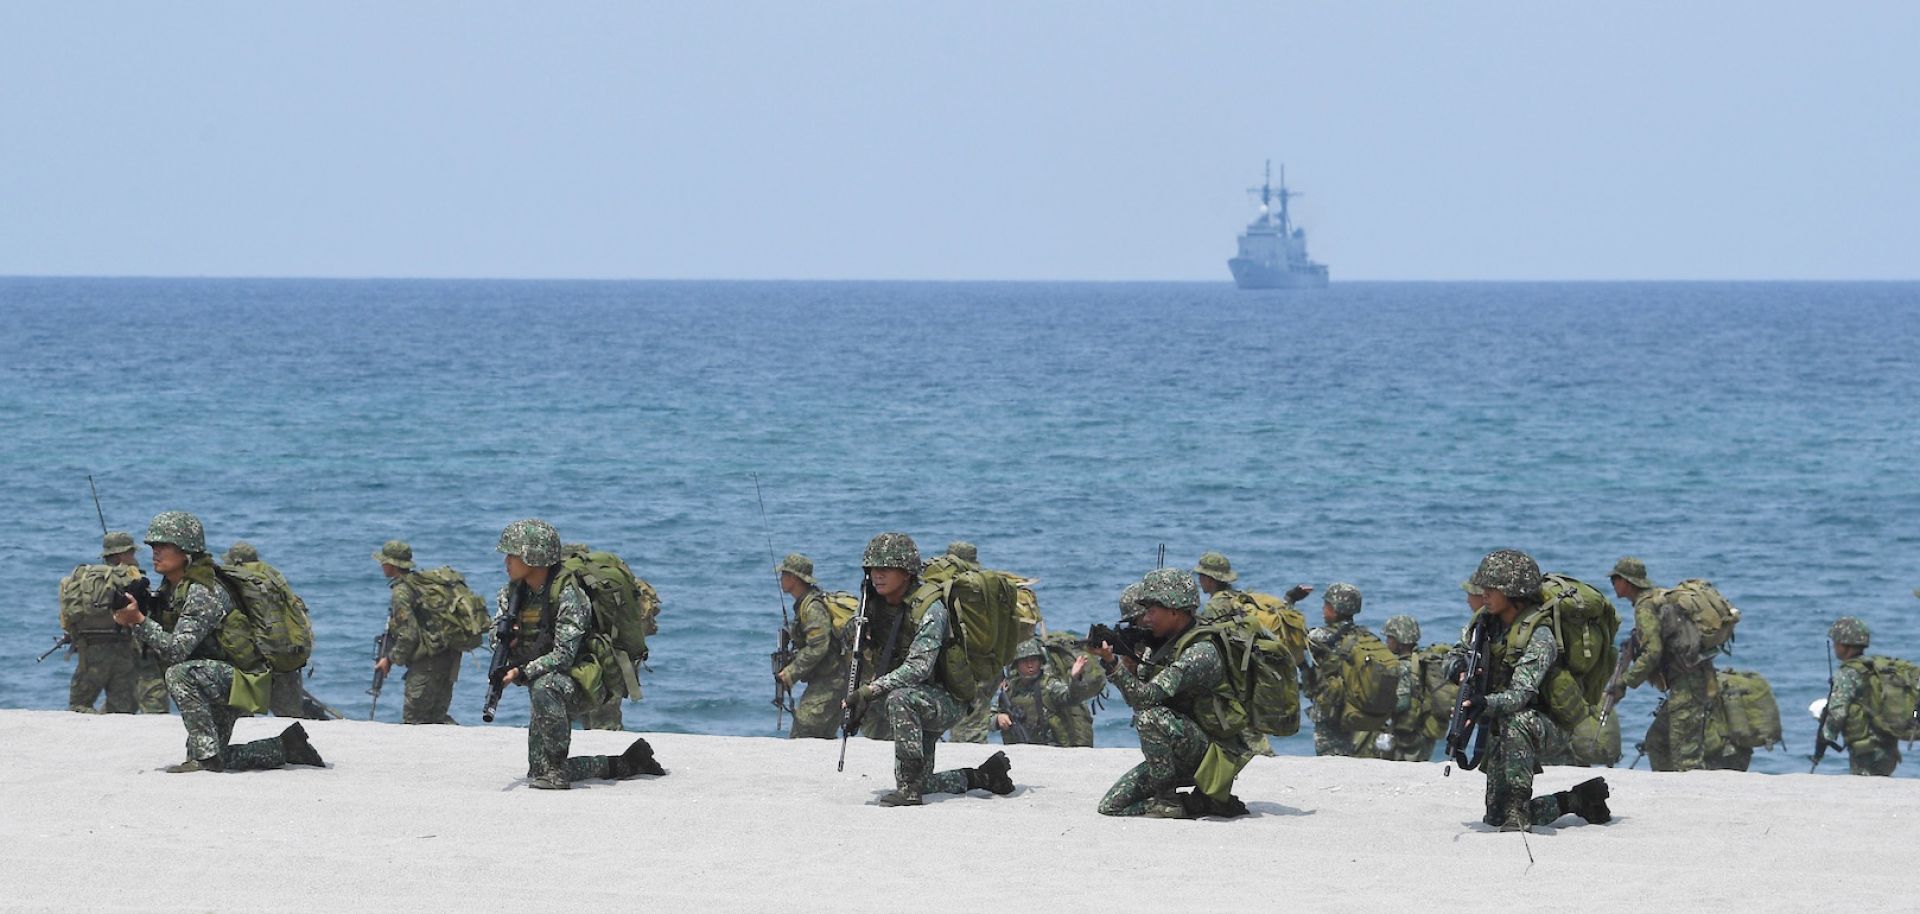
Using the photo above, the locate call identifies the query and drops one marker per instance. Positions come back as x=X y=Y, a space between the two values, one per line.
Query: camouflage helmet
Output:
x=396 y=553
x=534 y=541
x=1216 y=566
x=964 y=551
x=1509 y=571
x=1130 y=608
x=797 y=565
x=115 y=543
x=1633 y=571
x=178 y=528
x=1344 y=600
x=1849 y=630
x=1029 y=648
x=1404 y=629
x=241 y=551
x=892 y=550
x=1171 y=588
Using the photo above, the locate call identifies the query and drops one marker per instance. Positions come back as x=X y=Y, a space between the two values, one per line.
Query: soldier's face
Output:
x=1621 y=588
x=517 y=569
x=1163 y=621
x=1499 y=604
x=1029 y=667
x=1327 y=613
x=168 y=558
x=889 y=583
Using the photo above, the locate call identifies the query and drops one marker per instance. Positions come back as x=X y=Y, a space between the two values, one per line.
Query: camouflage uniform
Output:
x=1520 y=732
x=1869 y=752
x=820 y=664
x=1405 y=738
x=1172 y=742
x=104 y=655
x=199 y=677
x=1039 y=704
x=430 y=674
x=290 y=698
x=918 y=709
x=1677 y=741
x=1220 y=606
x=1330 y=646
x=553 y=629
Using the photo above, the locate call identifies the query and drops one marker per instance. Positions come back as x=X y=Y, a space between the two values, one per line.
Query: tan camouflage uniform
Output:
x=1869 y=752
x=1677 y=741
x=819 y=664
x=430 y=674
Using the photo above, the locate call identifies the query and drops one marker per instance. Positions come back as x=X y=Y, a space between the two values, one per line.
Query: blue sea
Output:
x=1761 y=435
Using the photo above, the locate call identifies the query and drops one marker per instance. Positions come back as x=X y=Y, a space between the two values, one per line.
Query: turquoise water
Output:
x=1760 y=435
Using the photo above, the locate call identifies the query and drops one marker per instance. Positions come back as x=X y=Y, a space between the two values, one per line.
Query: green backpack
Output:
x=841 y=608
x=1893 y=697
x=455 y=618
x=624 y=609
x=1074 y=726
x=1438 y=693
x=276 y=617
x=1744 y=712
x=986 y=623
x=1711 y=618
x=86 y=597
x=1584 y=625
x=1370 y=683
x=1260 y=692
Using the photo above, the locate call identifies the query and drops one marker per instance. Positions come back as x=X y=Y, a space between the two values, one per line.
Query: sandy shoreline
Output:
x=437 y=819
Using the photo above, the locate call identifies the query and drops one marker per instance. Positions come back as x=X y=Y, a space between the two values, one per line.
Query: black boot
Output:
x=636 y=761
x=1590 y=801
x=299 y=751
x=992 y=775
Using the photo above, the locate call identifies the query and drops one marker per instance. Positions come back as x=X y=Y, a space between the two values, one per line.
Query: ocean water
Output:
x=1760 y=435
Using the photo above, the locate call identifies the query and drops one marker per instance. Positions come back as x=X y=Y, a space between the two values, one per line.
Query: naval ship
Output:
x=1273 y=253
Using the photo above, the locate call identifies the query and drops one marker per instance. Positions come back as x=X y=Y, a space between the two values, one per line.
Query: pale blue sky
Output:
x=1610 y=140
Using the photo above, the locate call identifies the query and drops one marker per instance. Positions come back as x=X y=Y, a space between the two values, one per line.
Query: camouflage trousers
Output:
x=1329 y=739
x=916 y=716
x=817 y=715
x=150 y=683
x=200 y=689
x=557 y=699
x=1874 y=759
x=430 y=689
x=104 y=665
x=290 y=699
x=1518 y=742
x=1677 y=741
x=974 y=727
x=1404 y=746
x=1173 y=746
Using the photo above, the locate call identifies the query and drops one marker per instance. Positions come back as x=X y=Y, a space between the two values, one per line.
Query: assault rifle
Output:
x=1617 y=685
x=505 y=632
x=1474 y=673
x=850 y=715
x=382 y=650
x=1001 y=705
x=1820 y=741
x=783 y=652
x=1128 y=640
x=58 y=643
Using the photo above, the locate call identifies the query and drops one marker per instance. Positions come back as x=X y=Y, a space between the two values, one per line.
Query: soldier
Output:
x=1329 y=646
x=1405 y=739
x=105 y=653
x=1677 y=741
x=919 y=705
x=207 y=647
x=1034 y=705
x=1522 y=653
x=1164 y=706
x=290 y=698
x=553 y=632
x=818 y=661
x=1216 y=577
x=1869 y=752
x=430 y=674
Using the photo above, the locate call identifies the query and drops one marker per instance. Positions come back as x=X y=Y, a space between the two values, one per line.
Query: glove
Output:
x=1298 y=593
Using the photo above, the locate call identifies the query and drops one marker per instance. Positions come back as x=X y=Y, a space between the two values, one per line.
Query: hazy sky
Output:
x=1750 y=140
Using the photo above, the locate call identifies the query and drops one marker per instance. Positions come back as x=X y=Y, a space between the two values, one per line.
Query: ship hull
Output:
x=1252 y=274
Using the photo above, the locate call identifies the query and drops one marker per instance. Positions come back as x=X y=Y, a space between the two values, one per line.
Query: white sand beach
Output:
x=437 y=818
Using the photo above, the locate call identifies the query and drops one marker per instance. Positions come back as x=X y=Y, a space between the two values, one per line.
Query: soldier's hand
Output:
x=1002 y=722
x=782 y=677
x=1103 y=650
x=1079 y=663
x=1299 y=592
x=512 y=676
x=382 y=665
x=129 y=613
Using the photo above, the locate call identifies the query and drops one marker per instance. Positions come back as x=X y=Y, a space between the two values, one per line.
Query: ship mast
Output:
x=1267 y=195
